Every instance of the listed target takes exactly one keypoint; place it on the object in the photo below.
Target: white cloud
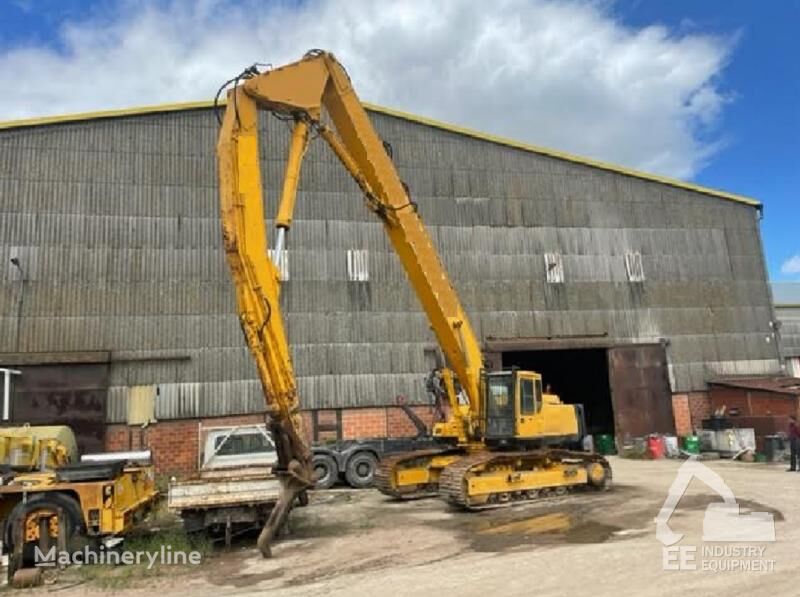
(791, 266)
(567, 75)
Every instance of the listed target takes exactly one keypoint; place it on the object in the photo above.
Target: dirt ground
(360, 543)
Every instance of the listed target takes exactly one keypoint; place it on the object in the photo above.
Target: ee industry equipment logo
(722, 523)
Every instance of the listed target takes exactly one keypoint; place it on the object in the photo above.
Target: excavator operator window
(500, 407)
(527, 397)
(498, 392)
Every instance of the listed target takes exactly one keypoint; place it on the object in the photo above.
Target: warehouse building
(627, 291)
(787, 309)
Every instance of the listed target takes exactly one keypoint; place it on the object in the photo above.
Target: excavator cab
(518, 411)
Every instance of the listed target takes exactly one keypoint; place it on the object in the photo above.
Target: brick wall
(689, 411)
(399, 425)
(363, 422)
(753, 403)
(682, 415)
(382, 422)
(175, 444)
(700, 407)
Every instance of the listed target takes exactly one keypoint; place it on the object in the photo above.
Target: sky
(702, 91)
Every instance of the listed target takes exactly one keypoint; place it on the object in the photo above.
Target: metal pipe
(7, 373)
(133, 455)
(280, 242)
(297, 149)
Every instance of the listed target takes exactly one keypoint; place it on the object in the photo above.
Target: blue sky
(762, 122)
(716, 83)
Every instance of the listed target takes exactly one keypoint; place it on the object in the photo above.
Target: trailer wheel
(43, 507)
(326, 473)
(360, 471)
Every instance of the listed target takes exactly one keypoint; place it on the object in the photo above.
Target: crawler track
(453, 479)
(384, 474)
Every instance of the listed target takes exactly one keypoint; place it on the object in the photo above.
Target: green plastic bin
(691, 444)
(604, 444)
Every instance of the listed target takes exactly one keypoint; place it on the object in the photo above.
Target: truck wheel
(43, 505)
(360, 471)
(326, 472)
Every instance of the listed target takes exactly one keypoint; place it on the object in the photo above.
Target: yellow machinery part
(491, 478)
(508, 480)
(107, 506)
(426, 474)
(28, 447)
(33, 524)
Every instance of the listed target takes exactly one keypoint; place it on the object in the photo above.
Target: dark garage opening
(577, 376)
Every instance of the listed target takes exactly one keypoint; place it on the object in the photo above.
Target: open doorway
(577, 376)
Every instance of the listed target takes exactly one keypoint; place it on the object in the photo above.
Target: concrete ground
(360, 543)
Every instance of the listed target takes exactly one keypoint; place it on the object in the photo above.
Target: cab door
(529, 405)
(500, 406)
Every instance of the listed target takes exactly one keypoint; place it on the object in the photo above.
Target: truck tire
(326, 473)
(360, 471)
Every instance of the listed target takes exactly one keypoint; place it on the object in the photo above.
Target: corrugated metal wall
(114, 225)
(790, 329)
(787, 309)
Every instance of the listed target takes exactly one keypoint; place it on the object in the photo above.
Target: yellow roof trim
(562, 155)
(176, 107)
(79, 116)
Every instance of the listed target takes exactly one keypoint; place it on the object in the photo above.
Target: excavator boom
(304, 91)
(318, 82)
(311, 93)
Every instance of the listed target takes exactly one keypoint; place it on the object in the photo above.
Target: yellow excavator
(503, 438)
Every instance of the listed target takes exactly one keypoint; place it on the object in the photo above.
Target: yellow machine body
(109, 507)
(48, 499)
(29, 447)
(494, 443)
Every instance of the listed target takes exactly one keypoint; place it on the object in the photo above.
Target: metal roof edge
(564, 155)
(176, 107)
(100, 114)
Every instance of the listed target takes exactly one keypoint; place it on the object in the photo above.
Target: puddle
(578, 522)
(576, 519)
(701, 502)
(543, 529)
(547, 523)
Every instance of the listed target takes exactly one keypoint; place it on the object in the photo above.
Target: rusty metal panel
(640, 393)
(73, 395)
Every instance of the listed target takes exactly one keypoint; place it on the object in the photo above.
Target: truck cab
(244, 446)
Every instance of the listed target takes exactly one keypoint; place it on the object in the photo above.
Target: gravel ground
(359, 543)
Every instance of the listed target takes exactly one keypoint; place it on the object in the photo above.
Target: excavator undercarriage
(476, 478)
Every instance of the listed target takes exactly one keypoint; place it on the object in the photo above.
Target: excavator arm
(306, 92)
(257, 283)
